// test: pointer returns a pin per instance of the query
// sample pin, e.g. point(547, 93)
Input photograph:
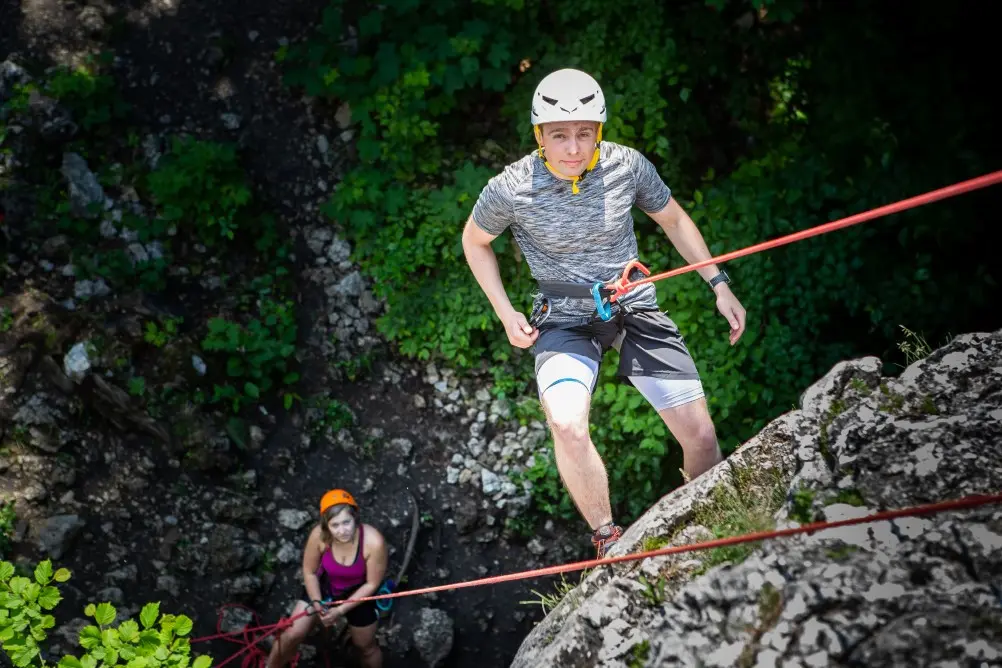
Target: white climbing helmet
point(568, 95)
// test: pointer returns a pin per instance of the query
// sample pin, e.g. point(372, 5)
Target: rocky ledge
point(916, 591)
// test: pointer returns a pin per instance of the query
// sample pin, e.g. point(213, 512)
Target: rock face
point(909, 592)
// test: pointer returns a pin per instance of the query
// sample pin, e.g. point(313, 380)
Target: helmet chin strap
point(574, 179)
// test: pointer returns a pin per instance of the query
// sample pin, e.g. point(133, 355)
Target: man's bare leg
point(693, 428)
point(581, 468)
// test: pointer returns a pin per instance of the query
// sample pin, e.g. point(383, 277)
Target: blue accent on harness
point(603, 308)
point(387, 587)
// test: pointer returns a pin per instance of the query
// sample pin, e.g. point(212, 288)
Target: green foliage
point(90, 95)
point(24, 622)
point(914, 346)
point(161, 337)
point(137, 386)
point(851, 496)
point(201, 188)
point(746, 505)
point(258, 356)
point(6, 319)
point(802, 505)
point(148, 643)
point(759, 130)
point(24, 606)
point(639, 654)
point(330, 414)
point(8, 515)
point(355, 367)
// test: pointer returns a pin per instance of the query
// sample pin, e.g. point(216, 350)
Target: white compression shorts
point(661, 393)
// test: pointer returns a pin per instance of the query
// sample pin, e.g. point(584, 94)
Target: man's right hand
point(520, 333)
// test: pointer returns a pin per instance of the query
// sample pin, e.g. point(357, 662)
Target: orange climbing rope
point(622, 286)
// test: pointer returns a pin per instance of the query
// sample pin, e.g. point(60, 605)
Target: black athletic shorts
point(648, 341)
point(363, 614)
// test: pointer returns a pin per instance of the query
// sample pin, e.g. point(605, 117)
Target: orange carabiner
point(619, 286)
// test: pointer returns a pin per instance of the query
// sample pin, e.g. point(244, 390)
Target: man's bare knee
point(570, 430)
point(567, 414)
point(705, 436)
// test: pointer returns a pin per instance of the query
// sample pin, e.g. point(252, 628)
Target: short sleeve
point(652, 193)
point(494, 210)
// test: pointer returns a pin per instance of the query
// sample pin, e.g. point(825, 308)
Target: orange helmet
point(334, 497)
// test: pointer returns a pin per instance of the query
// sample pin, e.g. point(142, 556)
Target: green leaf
point(90, 610)
point(18, 585)
point(90, 637)
point(49, 597)
point(202, 661)
point(70, 661)
point(149, 640)
point(105, 614)
point(62, 575)
point(251, 390)
point(109, 637)
point(23, 659)
point(43, 572)
point(128, 631)
point(183, 625)
point(6, 570)
point(149, 614)
point(370, 24)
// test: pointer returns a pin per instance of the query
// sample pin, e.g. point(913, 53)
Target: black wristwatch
point(722, 277)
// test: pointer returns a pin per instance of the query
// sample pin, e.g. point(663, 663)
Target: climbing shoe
point(605, 537)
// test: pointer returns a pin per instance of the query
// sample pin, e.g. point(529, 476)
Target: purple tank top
point(343, 578)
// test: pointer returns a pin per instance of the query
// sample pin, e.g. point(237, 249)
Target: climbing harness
point(602, 293)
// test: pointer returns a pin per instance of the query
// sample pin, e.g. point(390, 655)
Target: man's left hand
point(731, 309)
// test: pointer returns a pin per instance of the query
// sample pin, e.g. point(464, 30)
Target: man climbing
point(568, 205)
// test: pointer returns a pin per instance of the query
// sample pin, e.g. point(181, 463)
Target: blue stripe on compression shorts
point(565, 367)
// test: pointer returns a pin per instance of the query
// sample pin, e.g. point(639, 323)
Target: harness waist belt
point(581, 290)
point(568, 289)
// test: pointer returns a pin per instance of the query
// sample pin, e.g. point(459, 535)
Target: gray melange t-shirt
point(583, 238)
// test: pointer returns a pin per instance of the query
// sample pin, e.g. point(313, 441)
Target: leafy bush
point(89, 95)
point(160, 643)
point(23, 606)
point(8, 515)
point(258, 353)
point(200, 186)
point(24, 620)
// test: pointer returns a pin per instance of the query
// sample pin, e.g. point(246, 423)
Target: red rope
point(910, 203)
point(255, 655)
point(927, 509)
